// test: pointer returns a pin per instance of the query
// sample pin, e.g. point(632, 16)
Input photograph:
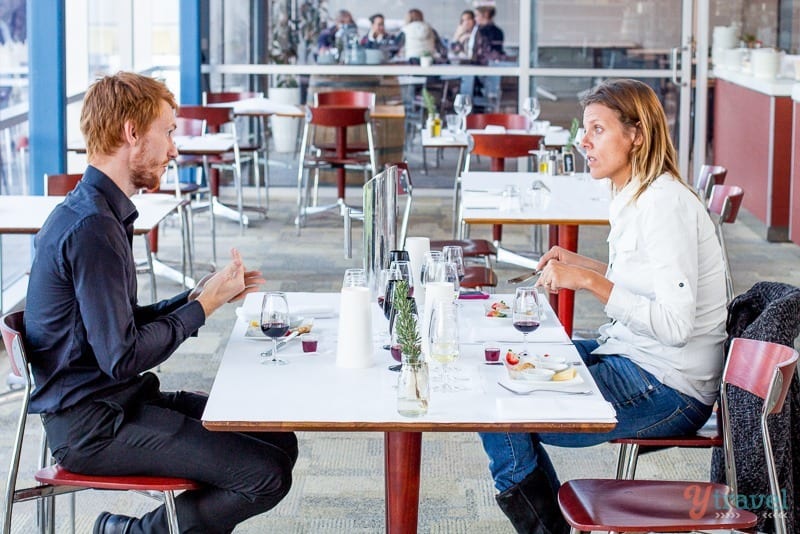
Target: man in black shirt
point(91, 343)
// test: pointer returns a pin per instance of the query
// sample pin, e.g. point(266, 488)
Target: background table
point(571, 201)
point(312, 394)
point(26, 214)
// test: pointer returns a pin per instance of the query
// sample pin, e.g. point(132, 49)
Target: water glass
point(532, 109)
point(355, 278)
point(462, 105)
point(453, 123)
point(443, 337)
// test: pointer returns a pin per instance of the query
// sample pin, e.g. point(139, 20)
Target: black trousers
point(139, 430)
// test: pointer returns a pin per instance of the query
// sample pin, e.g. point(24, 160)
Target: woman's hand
point(558, 275)
point(567, 257)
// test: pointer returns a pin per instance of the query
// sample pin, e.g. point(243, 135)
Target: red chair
point(510, 121)
point(498, 147)
point(360, 99)
point(764, 370)
point(251, 144)
point(708, 177)
point(341, 118)
point(219, 120)
point(55, 480)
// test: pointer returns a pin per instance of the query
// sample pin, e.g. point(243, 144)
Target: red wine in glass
point(526, 326)
point(381, 299)
point(274, 330)
point(396, 352)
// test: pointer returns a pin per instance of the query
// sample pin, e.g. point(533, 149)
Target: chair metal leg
point(149, 254)
point(172, 513)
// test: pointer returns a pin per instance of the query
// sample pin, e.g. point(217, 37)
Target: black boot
point(532, 507)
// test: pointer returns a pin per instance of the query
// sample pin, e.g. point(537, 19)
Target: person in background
point(659, 360)
point(489, 39)
point(418, 38)
point(377, 37)
point(464, 36)
point(337, 35)
point(91, 343)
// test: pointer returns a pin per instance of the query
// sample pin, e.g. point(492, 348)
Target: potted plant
point(413, 384)
point(433, 122)
point(426, 59)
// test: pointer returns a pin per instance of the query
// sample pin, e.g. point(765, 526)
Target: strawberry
point(512, 358)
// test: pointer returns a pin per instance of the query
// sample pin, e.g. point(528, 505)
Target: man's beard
point(142, 174)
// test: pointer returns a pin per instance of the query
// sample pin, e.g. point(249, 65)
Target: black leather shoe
point(108, 523)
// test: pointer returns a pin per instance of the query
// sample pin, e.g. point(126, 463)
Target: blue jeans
point(645, 408)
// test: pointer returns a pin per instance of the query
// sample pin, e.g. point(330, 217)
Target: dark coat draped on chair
point(769, 311)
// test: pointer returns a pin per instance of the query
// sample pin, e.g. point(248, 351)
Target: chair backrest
point(725, 201)
point(189, 127)
point(364, 99)
point(228, 96)
point(499, 146)
point(511, 121)
point(13, 329)
point(60, 184)
point(765, 370)
point(214, 117)
point(709, 175)
point(337, 117)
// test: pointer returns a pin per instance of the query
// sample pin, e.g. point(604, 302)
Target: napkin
point(542, 408)
point(354, 345)
point(576, 385)
point(506, 333)
point(494, 128)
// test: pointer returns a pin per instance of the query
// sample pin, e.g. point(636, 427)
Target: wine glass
point(531, 108)
point(430, 258)
point(462, 105)
point(526, 312)
point(274, 322)
point(455, 254)
point(403, 267)
point(439, 270)
point(443, 337)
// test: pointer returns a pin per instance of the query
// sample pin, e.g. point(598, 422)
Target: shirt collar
point(122, 206)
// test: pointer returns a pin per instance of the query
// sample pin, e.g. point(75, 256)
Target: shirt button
point(680, 284)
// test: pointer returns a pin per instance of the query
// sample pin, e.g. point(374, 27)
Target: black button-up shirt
point(85, 332)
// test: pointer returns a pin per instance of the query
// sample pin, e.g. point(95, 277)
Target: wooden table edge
point(301, 426)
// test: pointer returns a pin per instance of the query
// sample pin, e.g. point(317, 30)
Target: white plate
point(254, 330)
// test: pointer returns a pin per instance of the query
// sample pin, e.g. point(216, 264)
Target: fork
point(537, 390)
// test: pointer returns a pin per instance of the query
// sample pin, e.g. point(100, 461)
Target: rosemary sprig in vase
point(406, 324)
point(413, 390)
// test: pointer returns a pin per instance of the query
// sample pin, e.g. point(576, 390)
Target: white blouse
point(668, 304)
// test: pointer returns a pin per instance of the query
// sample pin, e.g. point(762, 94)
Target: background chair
point(254, 140)
point(509, 121)
point(760, 368)
point(724, 202)
point(708, 177)
point(497, 147)
point(55, 480)
point(312, 158)
point(216, 120)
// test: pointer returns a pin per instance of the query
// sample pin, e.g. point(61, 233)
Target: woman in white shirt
point(659, 360)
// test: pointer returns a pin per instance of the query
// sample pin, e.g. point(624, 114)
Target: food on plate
point(497, 309)
point(512, 358)
point(567, 374)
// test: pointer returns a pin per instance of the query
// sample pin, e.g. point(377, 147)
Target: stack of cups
point(416, 248)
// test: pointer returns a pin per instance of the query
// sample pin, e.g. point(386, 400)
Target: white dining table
point(26, 214)
point(311, 393)
point(562, 202)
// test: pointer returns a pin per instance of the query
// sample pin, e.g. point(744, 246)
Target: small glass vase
point(413, 388)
